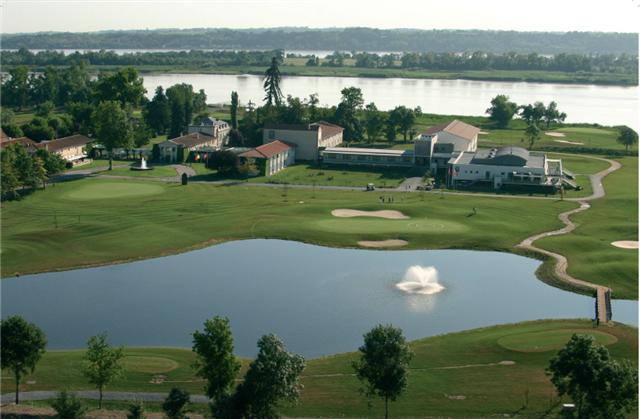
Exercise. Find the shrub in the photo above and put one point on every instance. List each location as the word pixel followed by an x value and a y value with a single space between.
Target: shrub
pixel 175 403
pixel 67 406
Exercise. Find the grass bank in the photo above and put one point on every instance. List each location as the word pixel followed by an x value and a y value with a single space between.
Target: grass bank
pixel 100 221
pixel 458 374
pixel 614 217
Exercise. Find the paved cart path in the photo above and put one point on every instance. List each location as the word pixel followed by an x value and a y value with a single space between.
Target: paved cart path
pixel 562 264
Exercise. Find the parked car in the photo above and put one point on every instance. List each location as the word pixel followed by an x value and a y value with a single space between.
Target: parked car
pixel 424 187
pixel 370 187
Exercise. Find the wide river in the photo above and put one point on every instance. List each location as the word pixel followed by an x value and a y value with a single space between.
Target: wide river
pixel 319 300
pixel 605 105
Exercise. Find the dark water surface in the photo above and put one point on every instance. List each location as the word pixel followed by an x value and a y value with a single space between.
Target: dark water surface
pixel 319 300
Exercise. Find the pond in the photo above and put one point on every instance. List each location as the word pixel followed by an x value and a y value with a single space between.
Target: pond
pixel 319 300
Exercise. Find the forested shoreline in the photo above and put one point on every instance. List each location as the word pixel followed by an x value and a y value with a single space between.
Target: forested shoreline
pixel 562 68
pixel 341 39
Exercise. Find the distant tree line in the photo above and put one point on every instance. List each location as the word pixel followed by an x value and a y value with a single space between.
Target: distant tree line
pixel 478 60
pixel 197 58
pixel 340 39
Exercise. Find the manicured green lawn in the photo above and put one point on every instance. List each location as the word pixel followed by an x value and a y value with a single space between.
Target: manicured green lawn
pixel 158 171
pixel 614 217
pixel 69 226
pixel 457 374
pixel 329 175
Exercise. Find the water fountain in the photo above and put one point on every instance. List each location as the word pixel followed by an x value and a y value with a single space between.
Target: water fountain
pixel 420 280
pixel 143 165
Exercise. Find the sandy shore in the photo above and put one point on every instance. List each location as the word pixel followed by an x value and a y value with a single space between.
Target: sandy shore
pixel 383 243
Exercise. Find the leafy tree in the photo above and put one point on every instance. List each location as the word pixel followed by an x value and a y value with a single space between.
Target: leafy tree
pixel 224 161
pixel 273 94
pixel 45 109
pixel 502 110
pixel 8 176
pixel 199 101
pixel 81 117
pixel 599 386
pixel 347 113
pixel 234 110
pixel 136 411
pixel 390 129
pixel 68 406
pixel 25 169
pixel 532 114
pixel 124 86
pixel 295 112
pixel 312 104
pixel 45 86
pixel 52 162
pixel 61 125
pixel 23 344
pixel 403 118
pixel 157 112
pixel 181 103
pixel 112 127
pixel 383 363
pixel 39 129
pixel 175 404
pixel 15 91
pixel 7 116
pixel 373 121
pixel 102 363
pixel 75 84
pixel 627 137
pixel 532 134
pixel 40 172
pixel 273 377
pixel 141 133
pixel 12 130
pixel 215 361
pixel 551 114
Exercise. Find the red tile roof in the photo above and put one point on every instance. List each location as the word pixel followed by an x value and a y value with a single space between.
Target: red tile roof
pixel 3 135
pixel 64 142
pixel 329 129
pixel 455 127
pixel 23 141
pixel 268 150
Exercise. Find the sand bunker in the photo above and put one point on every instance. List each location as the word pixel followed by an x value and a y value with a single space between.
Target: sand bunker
pixel 383 243
pixel 555 134
pixel 568 142
pixel 626 244
pixel 389 214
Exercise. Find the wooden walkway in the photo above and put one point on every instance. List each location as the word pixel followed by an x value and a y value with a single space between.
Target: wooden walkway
pixel 603 305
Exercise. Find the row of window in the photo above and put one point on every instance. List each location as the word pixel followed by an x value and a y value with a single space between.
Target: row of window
pixel 361 157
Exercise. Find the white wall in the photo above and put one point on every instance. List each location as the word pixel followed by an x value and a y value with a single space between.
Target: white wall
pixel 306 141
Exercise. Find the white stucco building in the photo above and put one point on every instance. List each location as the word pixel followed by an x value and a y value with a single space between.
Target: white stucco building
pixel 310 139
pixel 213 127
pixel 504 166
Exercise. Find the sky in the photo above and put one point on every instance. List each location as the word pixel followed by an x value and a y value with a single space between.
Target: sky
pixel 540 15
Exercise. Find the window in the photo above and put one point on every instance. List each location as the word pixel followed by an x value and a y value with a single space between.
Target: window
pixel 391 159
pixel 375 158
pixel 272 134
pixel 361 158
pixel 346 157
